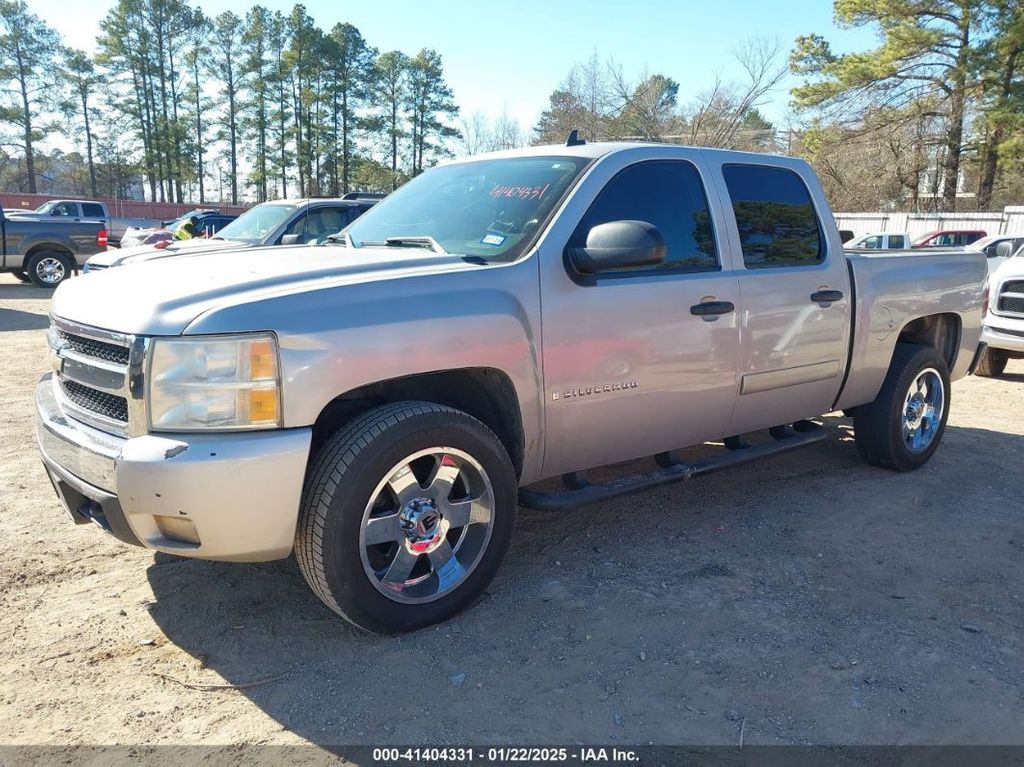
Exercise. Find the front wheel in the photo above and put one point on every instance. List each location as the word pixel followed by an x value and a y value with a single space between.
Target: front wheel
pixel 406 515
pixel 992 363
pixel 902 428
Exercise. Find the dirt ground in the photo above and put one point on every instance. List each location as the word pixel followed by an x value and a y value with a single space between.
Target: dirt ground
pixel 807 599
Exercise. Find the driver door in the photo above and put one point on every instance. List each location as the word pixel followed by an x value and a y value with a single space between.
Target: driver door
pixel 631 365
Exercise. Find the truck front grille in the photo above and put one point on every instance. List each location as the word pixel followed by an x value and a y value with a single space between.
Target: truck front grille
pixel 91 367
pixel 93 348
pixel 107 405
pixel 1011 298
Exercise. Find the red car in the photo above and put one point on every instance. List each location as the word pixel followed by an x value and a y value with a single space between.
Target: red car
pixel 949 238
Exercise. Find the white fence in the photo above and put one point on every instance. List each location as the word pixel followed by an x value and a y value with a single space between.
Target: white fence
pixel 1009 221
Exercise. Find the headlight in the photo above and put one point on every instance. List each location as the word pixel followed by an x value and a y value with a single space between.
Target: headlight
pixel 214 382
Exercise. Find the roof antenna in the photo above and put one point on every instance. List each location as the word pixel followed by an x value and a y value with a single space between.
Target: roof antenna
pixel 574 139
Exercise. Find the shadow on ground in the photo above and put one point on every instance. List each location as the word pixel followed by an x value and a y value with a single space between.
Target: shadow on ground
pixel 809 598
pixel 14 319
pixel 24 291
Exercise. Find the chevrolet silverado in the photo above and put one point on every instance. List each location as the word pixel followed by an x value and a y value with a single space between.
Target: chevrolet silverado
pixel 382 406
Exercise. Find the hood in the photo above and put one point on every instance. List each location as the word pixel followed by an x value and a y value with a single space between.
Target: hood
pixel 163 296
pixel 1009 267
pixel 139 253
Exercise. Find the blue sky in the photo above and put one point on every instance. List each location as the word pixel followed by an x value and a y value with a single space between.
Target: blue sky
pixel 511 55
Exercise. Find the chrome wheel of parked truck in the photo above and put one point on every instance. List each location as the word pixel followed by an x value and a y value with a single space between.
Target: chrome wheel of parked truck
pixel 48 270
pixel 420 543
pixel 427 524
pixel 923 410
pixel 381 404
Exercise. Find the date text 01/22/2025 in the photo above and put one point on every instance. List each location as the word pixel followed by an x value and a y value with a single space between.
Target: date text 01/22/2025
pixel 504 754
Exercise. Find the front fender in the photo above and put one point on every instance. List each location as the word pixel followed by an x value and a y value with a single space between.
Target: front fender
pixel 342 338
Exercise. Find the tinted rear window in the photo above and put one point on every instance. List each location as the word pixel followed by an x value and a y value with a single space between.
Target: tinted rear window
pixel 775 217
pixel 92 210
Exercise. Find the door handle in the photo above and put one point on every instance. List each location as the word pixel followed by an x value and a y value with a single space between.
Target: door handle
pixel 827 296
pixel 712 307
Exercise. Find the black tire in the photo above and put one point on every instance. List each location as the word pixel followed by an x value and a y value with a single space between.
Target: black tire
pixel 21 276
pixel 339 485
pixel 992 363
pixel 878 426
pixel 40 273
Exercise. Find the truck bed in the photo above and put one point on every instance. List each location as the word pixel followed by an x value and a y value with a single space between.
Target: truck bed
pixel 892 287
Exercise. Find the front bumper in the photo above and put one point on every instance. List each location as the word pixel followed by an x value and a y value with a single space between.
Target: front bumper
pixel 1003 333
pixel 240 491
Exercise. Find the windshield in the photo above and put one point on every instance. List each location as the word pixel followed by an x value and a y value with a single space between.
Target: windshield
pixel 256 223
pixel 45 207
pixel 487 208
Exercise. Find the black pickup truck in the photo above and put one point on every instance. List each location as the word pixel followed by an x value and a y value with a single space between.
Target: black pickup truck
pixel 46 252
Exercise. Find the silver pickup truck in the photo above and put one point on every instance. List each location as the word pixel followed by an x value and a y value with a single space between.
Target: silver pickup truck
pixel 381 404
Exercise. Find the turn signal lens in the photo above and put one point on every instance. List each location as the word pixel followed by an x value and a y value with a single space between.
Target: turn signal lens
pixel 262 361
pixel 263 405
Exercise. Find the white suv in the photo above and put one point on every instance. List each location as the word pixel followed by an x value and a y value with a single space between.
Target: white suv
pixel 1003 335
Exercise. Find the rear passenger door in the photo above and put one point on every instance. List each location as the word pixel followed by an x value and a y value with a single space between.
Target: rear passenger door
pixel 795 316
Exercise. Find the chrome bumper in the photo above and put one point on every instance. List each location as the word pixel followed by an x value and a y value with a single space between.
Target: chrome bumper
pixel 240 491
pixel 1008 335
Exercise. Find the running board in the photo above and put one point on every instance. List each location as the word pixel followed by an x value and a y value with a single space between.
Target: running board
pixel 580 492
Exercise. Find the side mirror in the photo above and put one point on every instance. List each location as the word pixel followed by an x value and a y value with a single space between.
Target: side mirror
pixel 1004 249
pixel 620 245
pixel 291 239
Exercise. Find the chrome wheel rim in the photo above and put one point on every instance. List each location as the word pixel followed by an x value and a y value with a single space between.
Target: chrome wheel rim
pixel 427 525
pixel 50 270
pixel 923 408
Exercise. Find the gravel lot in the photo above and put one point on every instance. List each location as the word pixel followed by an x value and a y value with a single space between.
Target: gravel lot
pixel 807 599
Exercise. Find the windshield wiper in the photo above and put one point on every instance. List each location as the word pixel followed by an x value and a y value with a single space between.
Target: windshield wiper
pixel 413 241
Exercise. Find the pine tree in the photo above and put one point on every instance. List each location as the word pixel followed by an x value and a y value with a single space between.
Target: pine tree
pixel 225 65
pixel 278 83
pixel 256 67
pixel 196 55
pixel 927 51
pixel 391 79
pixel 430 103
pixel 28 48
pixel 80 72
pixel 350 61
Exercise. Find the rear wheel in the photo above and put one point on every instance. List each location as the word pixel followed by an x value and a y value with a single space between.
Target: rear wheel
pixel 48 269
pixel 406 515
pixel 902 428
pixel 992 363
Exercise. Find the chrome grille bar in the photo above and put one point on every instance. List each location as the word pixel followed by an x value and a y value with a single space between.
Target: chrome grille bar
pixel 99 376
